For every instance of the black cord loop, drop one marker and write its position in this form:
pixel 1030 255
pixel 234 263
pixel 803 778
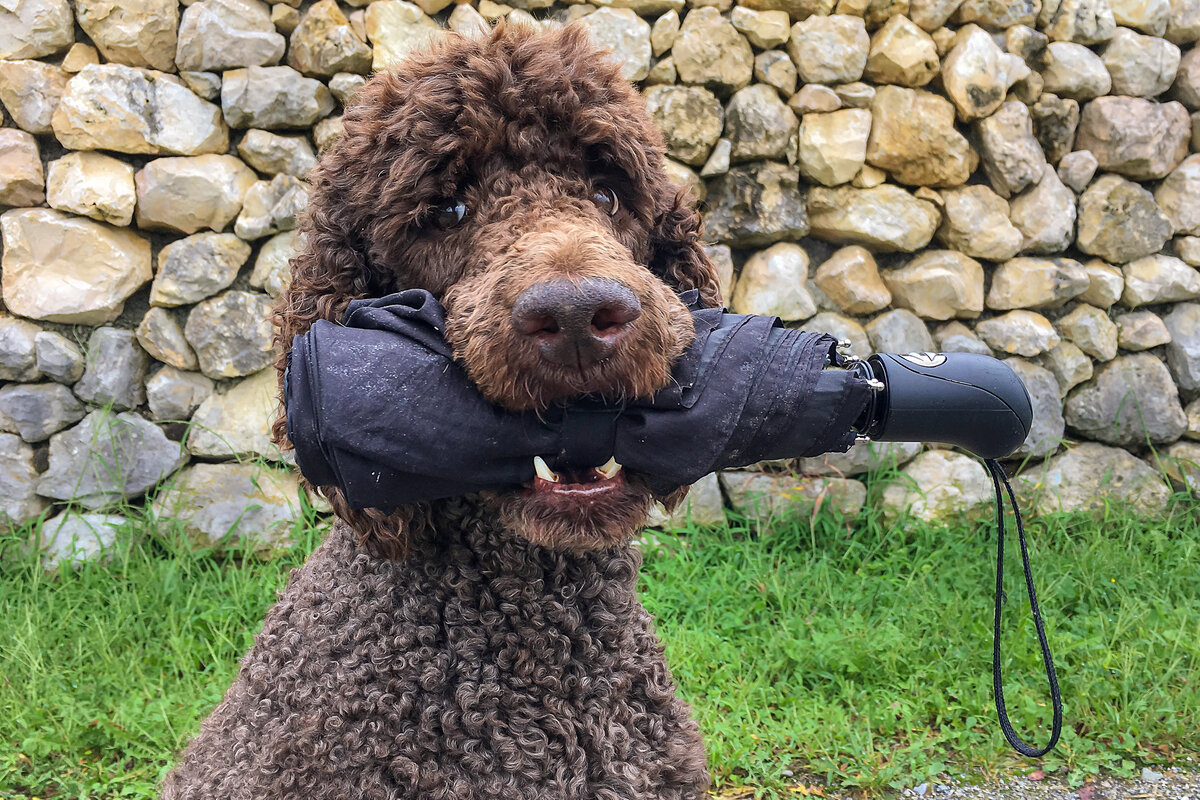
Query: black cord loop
pixel 997 473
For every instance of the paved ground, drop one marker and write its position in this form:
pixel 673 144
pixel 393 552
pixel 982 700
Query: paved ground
pixel 1172 785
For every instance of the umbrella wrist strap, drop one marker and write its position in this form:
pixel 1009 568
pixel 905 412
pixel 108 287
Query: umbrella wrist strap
pixel 998 478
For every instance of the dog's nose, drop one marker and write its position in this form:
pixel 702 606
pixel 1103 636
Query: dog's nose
pixel 576 323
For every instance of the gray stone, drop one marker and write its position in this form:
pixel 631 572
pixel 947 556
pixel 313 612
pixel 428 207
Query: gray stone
pixel 343 86
pixel 829 49
pixel 1159 279
pixel 1069 364
pixel 938 486
pixel 160 334
pixel 1048 426
pixel 1133 136
pixel 189 194
pixel 77 539
pixel 899 331
pixel 19 502
pixel 18 349
pixel 1179 197
pixel 273 98
pixel 861 458
pixel 204 84
pixel 1129 401
pixel 197 267
pixel 976 74
pixel 94 185
pixel 766 497
pixel 939 285
pixel 275 155
pixel 1045 215
pixel 756 205
pixel 885 218
pixel 231 334
pixel 722 260
pixel 1077 169
pixel 1183 25
pixel 626 35
pixel 173 394
pixel 955 337
pixel 237 422
pixel 224 505
pixel 271 271
pixel 1082 21
pixel 1141 330
pixel 36 410
pixel 703 507
pixel 35 28
pixel 690 118
pixel 1092 331
pixel 108 458
pixel 710 52
pixel 271 207
pixel 758 124
pixel 913 137
pixel 1183 352
pixel 1092 477
pixel 1140 66
pixel 1022 333
pixel 1011 157
pixel 324 43
pixel 976 223
pixel 1076 72
pixel 58 358
pixel 1119 221
pixel 30 91
pixel 1055 122
pixel 116 370
pixel 1186 88
pixel 1036 283
pixel 131 110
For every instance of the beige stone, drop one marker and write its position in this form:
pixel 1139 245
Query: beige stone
pixel 796 9
pixel 829 49
pixel 274 97
pixel 395 28
pixel 710 52
pixel 855 94
pixel 323 44
pixel 1082 21
pixel 702 507
pixel 274 154
pixel 160 334
pixel 79 56
pixel 998 15
pixel 913 137
pixel 931 15
pixel 285 19
pixel 1141 330
pixel 625 35
pixel 939 285
pixel 814 97
pixel 776 69
pixel 662 73
pixel 1159 279
pixel 976 223
pixel 237 422
pixel 903 54
pixel 851 279
pixel 885 218
pixel 1133 136
pixel 685 176
pixel 938 485
pixel 1069 365
pixel 138 33
pixel 765 29
pixel 767 497
pixel 690 118
pixel 955 337
pixel 1147 16
pixel 977 74
pixel 1022 333
pixel 271 271
pixel 1011 157
pixel 1179 197
pixel 199 266
pixel 1140 66
pixel 772 283
pixel 61 268
pixel 869 177
pixel 35 28
pixel 1036 283
pixel 1105 284
pixel 92 184
pixel 833 146
pixel 663 32
pixel 1076 72
pixel 131 110
pixel 1119 221
pixel 30 91
pixel 1091 330
pixel 190 193
pixel 1045 215
pixel 21 180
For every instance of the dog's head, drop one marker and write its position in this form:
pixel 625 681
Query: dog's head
pixel 519 178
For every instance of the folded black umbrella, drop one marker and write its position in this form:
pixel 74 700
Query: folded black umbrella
pixel 378 407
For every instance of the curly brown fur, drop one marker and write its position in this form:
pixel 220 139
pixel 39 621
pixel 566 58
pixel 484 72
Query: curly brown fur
pixel 488 646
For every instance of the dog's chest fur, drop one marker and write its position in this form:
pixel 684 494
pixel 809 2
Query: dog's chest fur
pixel 482 667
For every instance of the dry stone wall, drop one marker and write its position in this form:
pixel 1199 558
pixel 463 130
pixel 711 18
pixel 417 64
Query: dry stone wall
pixel 1013 177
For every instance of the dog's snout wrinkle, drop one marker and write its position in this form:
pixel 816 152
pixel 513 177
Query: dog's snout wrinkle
pixel 576 323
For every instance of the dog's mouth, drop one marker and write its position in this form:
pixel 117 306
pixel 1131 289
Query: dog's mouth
pixel 583 487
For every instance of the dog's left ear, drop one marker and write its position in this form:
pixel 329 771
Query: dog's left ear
pixel 677 251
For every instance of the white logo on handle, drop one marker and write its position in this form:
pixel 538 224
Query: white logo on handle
pixel 925 359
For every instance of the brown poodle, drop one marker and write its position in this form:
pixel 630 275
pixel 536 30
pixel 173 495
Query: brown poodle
pixel 489 646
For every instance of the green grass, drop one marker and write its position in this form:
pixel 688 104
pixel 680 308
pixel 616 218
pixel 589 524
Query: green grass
pixel 854 655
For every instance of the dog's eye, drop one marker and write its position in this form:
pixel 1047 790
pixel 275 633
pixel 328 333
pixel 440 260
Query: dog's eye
pixel 449 213
pixel 606 198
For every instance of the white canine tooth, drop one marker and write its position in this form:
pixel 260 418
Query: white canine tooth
pixel 610 468
pixel 543 470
